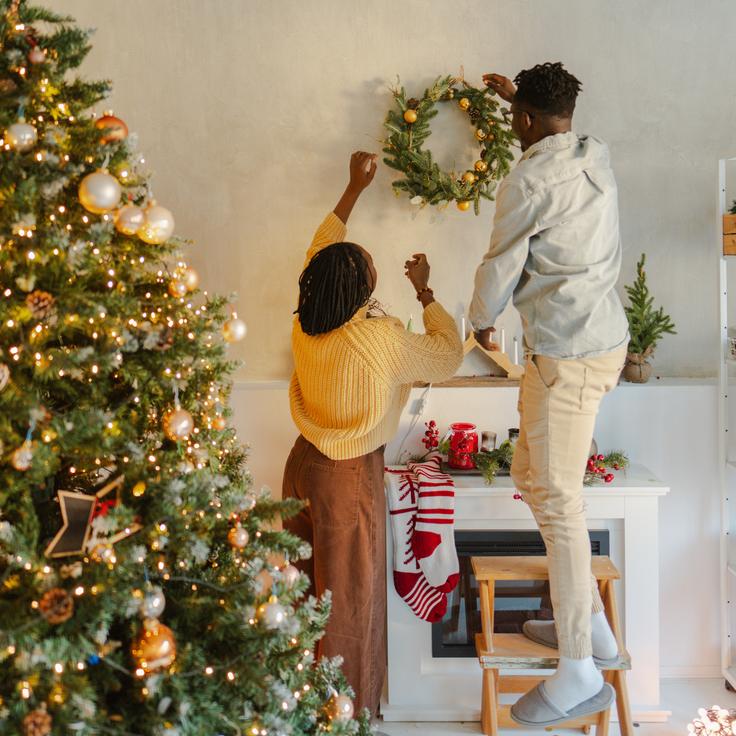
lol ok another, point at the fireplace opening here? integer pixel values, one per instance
(515, 601)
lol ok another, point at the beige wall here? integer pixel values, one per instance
(247, 111)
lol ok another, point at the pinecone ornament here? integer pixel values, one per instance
(474, 114)
(412, 103)
(4, 375)
(41, 303)
(37, 723)
(56, 606)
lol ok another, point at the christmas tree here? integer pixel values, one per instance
(145, 589)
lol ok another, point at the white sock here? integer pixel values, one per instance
(575, 681)
(605, 645)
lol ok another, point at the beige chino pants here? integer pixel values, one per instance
(558, 403)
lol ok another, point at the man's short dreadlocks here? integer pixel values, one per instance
(548, 88)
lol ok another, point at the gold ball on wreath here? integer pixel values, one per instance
(340, 708)
(469, 177)
(37, 723)
(410, 116)
(481, 165)
(463, 205)
(464, 103)
(155, 647)
(480, 134)
(56, 606)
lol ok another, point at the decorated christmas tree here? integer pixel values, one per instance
(145, 589)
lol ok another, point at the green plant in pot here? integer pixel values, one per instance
(647, 325)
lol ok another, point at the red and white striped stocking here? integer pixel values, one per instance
(434, 536)
(426, 602)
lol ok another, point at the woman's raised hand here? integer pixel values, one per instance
(362, 169)
(417, 271)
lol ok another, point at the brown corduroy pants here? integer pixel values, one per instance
(345, 522)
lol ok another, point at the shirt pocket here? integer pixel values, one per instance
(334, 495)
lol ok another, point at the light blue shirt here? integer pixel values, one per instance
(555, 247)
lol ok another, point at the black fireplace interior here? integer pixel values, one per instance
(515, 601)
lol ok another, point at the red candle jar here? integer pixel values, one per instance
(463, 443)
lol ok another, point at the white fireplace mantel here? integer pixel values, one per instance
(424, 688)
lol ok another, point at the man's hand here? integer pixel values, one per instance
(417, 271)
(362, 169)
(483, 338)
(501, 85)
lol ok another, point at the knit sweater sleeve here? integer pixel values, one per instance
(405, 357)
(331, 230)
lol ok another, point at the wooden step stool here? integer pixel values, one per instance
(498, 652)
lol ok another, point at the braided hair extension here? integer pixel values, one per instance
(549, 88)
(332, 288)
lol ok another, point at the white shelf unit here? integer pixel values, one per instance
(727, 446)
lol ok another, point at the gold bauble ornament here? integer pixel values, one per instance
(178, 424)
(238, 537)
(234, 329)
(481, 165)
(464, 103)
(138, 489)
(340, 708)
(129, 219)
(469, 177)
(22, 458)
(191, 278)
(115, 129)
(21, 136)
(4, 375)
(490, 137)
(480, 134)
(155, 647)
(463, 205)
(99, 192)
(177, 288)
(410, 116)
(158, 225)
(219, 423)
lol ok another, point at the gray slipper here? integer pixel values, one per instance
(544, 632)
(536, 709)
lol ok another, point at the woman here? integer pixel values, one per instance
(351, 381)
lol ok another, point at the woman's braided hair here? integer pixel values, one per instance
(549, 88)
(332, 288)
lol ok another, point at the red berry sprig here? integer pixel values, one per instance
(431, 438)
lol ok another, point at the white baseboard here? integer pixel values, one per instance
(694, 671)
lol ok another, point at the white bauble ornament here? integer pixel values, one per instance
(290, 575)
(21, 136)
(191, 278)
(23, 457)
(340, 708)
(234, 329)
(4, 375)
(238, 537)
(153, 603)
(178, 424)
(128, 219)
(272, 614)
(158, 225)
(36, 55)
(99, 192)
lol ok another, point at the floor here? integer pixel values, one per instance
(682, 697)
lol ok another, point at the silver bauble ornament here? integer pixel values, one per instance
(4, 375)
(177, 288)
(36, 55)
(23, 457)
(128, 219)
(238, 537)
(191, 278)
(178, 424)
(21, 136)
(340, 708)
(153, 603)
(290, 575)
(99, 192)
(158, 225)
(234, 329)
(272, 614)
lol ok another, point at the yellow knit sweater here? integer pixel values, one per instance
(350, 385)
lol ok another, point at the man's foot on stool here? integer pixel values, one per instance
(605, 646)
(536, 709)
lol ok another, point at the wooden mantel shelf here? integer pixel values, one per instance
(471, 382)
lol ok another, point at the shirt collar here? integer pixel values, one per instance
(551, 143)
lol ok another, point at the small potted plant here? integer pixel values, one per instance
(646, 326)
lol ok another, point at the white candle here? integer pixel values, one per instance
(516, 351)
(462, 327)
(503, 340)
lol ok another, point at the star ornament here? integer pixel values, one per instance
(77, 513)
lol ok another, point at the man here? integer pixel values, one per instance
(555, 247)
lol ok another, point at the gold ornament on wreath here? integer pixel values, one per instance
(408, 126)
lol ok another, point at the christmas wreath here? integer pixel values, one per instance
(408, 126)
